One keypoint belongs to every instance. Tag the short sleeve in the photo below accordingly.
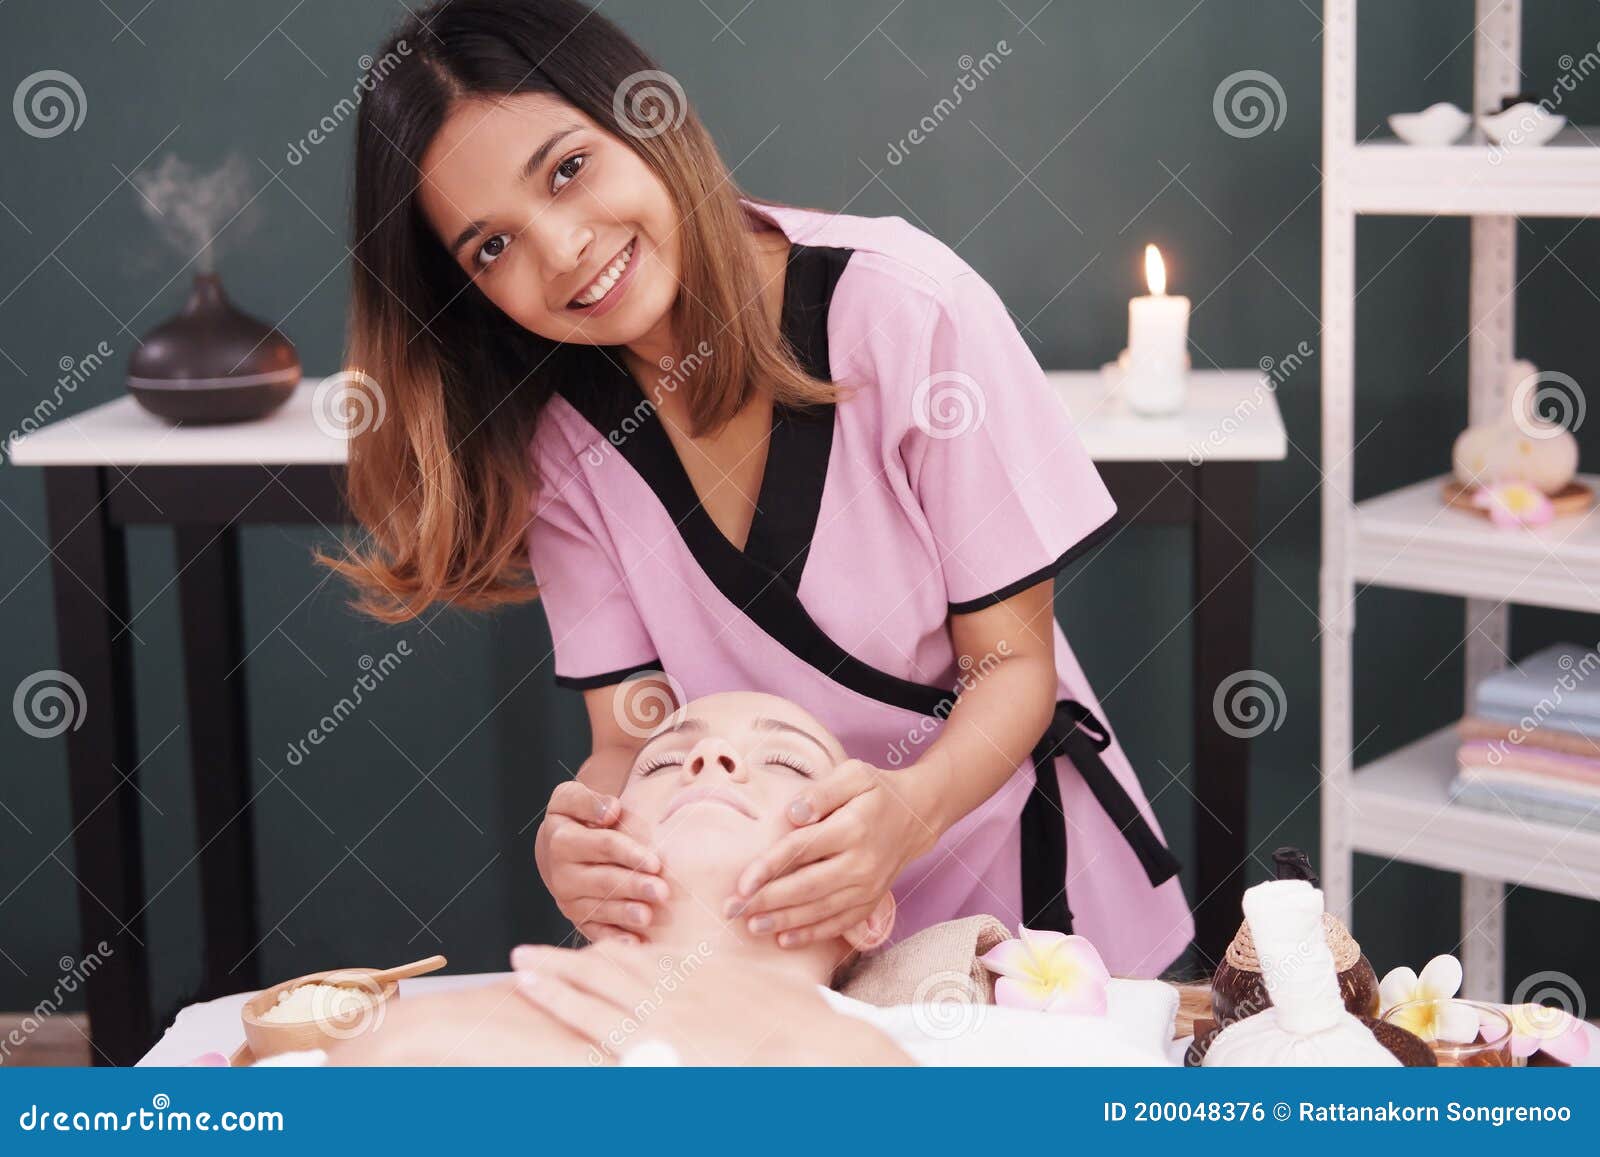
(991, 452)
(595, 628)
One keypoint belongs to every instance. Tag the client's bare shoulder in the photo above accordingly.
(726, 1014)
(490, 1025)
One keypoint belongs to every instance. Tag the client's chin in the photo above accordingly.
(705, 846)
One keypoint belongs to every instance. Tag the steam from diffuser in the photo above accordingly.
(192, 209)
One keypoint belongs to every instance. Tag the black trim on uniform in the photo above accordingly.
(590, 682)
(761, 582)
(790, 498)
(1089, 541)
(1076, 733)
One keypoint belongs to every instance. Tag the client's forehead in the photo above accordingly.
(743, 713)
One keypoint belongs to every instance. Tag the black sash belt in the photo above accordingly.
(1076, 733)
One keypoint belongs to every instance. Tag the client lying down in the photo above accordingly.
(707, 791)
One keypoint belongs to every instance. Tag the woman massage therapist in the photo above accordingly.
(731, 444)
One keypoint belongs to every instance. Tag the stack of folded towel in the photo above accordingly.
(1531, 745)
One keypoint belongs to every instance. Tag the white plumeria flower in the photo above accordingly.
(1440, 980)
(1431, 1014)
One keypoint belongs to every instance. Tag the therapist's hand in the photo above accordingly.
(827, 878)
(603, 880)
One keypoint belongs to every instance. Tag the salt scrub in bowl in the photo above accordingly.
(318, 1002)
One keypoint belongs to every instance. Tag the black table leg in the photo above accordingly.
(1224, 576)
(219, 747)
(91, 603)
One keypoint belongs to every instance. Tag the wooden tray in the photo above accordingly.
(1574, 498)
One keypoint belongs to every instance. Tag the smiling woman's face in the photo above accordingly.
(710, 789)
(535, 202)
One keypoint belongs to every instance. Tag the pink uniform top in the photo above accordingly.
(949, 478)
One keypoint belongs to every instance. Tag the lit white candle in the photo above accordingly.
(1158, 343)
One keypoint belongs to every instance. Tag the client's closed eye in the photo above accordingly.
(655, 763)
(793, 762)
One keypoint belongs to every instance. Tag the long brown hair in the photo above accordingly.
(447, 388)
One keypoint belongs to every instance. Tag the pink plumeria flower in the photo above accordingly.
(1515, 504)
(1545, 1028)
(209, 1061)
(1048, 971)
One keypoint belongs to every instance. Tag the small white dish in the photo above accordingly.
(1525, 125)
(1438, 124)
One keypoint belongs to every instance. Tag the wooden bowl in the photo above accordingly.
(268, 1038)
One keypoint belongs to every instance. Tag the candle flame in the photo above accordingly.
(1155, 271)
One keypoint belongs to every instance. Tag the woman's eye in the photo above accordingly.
(492, 249)
(792, 762)
(569, 169)
(656, 762)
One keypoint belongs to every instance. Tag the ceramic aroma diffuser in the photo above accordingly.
(212, 362)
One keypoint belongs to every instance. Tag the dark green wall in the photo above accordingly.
(1107, 107)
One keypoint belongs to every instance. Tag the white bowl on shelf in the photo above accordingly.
(1525, 125)
(1438, 124)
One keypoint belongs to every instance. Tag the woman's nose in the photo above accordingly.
(715, 758)
(565, 246)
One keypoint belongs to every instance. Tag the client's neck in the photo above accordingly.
(690, 925)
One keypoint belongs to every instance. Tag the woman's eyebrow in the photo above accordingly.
(672, 729)
(529, 167)
(790, 728)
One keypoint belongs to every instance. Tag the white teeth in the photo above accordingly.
(603, 284)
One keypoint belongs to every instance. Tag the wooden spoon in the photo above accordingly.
(381, 978)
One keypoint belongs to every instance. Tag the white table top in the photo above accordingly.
(1229, 416)
(214, 1025)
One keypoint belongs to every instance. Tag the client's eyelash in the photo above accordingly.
(793, 762)
(656, 762)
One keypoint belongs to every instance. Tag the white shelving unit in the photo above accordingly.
(1398, 806)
